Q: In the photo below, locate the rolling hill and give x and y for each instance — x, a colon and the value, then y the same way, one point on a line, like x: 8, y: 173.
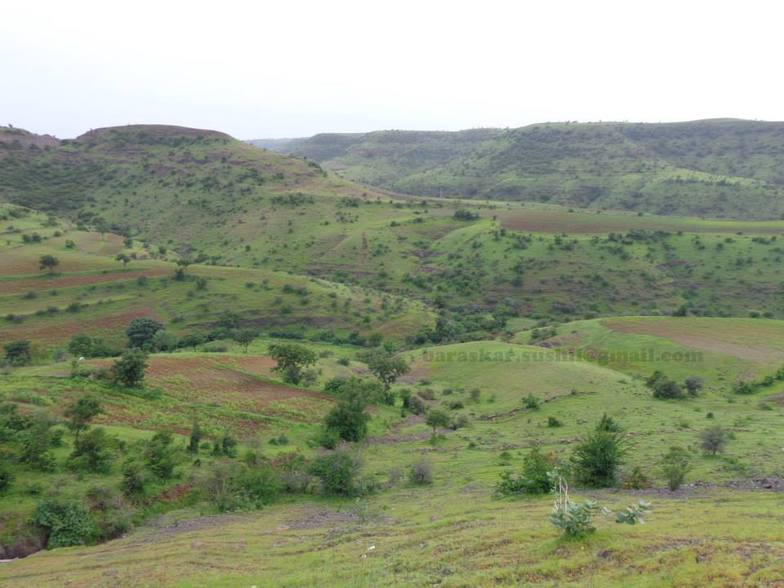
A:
x: 722, y: 168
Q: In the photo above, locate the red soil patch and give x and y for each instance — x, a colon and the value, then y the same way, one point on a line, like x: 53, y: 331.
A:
x: 235, y: 382
x: 45, y: 283
x: 77, y: 323
x: 710, y: 340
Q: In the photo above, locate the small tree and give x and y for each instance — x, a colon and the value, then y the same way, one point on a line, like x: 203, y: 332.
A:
x: 80, y: 413
x: 597, y: 459
x: 338, y: 472
x: 128, y: 370
x: 675, y: 464
x: 291, y: 359
x: 437, y: 419
x: 160, y: 455
x: 48, y: 263
x: 18, y: 352
x: 713, y: 440
x: 195, y: 439
x: 348, y: 419
x: 123, y: 258
x: 92, y: 453
x: 141, y: 331
x: 693, y: 385
x: 245, y: 337
x: 386, y: 367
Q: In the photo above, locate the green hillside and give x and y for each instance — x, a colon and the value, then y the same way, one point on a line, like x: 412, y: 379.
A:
x: 223, y: 366
x: 713, y: 168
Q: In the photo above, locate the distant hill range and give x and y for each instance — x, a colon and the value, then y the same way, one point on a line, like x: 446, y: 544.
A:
x: 713, y: 168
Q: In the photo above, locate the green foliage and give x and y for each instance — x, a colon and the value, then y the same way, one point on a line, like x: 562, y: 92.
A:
x: 338, y: 472
x: 348, y: 418
x: 597, y: 458
x: 291, y: 359
x: 531, y: 402
x: 637, y: 480
x: 141, y: 331
x: 675, y: 464
x: 82, y: 345
x: 633, y: 515
x: 664, y: 387
x: 421, y: 473
x: 245, y: 337
x: 92, y: 452
x: 160, y: 455
x: 6, y: 478
x: 66, y: 523
x: 128, y: 370
x: 195, y: 438
x: 81, y: 412
x: 714, y: 439
x: 575, y: 520
x: 18, y: 353
x: 35, y: 443
x: 385, y: 366
x: 536, y: 476
x: 48, y: 262
x: 437, y: 419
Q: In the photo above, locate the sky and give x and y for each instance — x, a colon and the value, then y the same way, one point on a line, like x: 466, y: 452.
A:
x: 287, y: 69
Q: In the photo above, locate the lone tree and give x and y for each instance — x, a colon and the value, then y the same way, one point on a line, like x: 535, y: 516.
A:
x: 80, y: 413
x: 292, y: 358
x: 386, y: 367
x: 129, y: 368
x: 713, y: 440
x: 437, y: 419
x: 18, y: 352
x: 348, y: 418
x: 48, y: 263
x: 597, y: 459
x: 245, y: 337
x: 123, y: 258
x: 141, y: 331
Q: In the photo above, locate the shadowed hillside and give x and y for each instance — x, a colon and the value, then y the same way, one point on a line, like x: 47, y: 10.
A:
x: 713, y: 168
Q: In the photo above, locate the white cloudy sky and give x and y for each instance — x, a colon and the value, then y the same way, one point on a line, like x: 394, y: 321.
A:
x: 293, y: 68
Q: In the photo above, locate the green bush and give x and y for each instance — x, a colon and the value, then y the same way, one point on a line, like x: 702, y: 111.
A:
x: 535, y: 477
x: 421, y: 473
x: 675, y: 464
x: 597, y: 459
x: 65, y: 523
x: 92, y: 452
x: 338, y: 472
x: 128, y: 370
x: 6, y: 478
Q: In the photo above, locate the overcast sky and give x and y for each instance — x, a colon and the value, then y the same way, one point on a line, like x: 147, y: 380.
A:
x: 295, y: 68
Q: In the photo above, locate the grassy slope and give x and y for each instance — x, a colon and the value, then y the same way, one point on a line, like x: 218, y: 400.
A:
x: 716, y: 168
x: 111, y: 295
x: 455, y: 532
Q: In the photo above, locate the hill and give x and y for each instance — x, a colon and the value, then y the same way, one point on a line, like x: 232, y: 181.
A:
x: 721, y: 168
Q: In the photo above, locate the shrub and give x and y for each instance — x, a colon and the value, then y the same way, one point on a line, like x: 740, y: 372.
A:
x: 663, y: 387
x: 421, y: 473
x: 536, y: 476
x: 35, y: 442
x: 531, y: 402
x: 141, y: 331
x: 6, y: 478
x: 437, y: 419
x: 598, y: 457
x: 348, y: 419
x: 160, y: 455
x: 338, y: 472
x: 133, y: 480
x: 633, y: 514
x: 65, y: 523
x: 693, y: 385
x: 92, y: 453
x: 713, y: 440
x: 607, y: 423
x: 128, y: 370
x: 81, y: 412
x: 575, y: 520
x: 291, y: 359
x: 675, y: 464
x: 553, y: 422
x: 636, y: 480
x: 18, y: 353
